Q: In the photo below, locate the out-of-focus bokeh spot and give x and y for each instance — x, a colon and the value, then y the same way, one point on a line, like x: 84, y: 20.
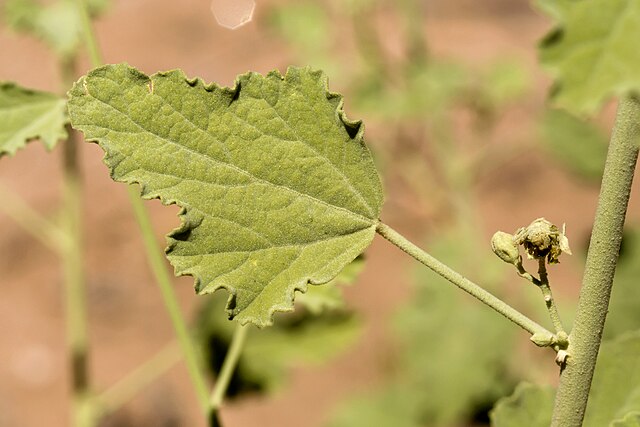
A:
x: 232, y: 13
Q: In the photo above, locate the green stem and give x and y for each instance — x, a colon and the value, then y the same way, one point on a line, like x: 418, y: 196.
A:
x: 157, y: 263
x: 41, y: 229
x: 548, y: 296
x: 128, y: 387
x: 154, y: 255
x: 463, y: 283
x: 75, y: 292
x: 584, y: 341
x: 228, y: 366
x: 90, y: 40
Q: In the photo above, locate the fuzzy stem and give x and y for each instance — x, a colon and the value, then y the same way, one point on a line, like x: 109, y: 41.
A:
x: 463, y: 283
x: 548, y: 296
x: 604, y: 247
x: 228, y: 366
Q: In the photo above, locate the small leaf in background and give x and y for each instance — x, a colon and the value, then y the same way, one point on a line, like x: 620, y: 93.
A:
x: 300, y: 338
x: 28, y: 114
x: 329, y: 296
x: 590, y: 54
x: 277, y: 187
x: 579, y: 146
x: 615, y: 391
x: 57, y: 23
x: 530, y: 405
x: 616, y: 382
x: 624, y: 306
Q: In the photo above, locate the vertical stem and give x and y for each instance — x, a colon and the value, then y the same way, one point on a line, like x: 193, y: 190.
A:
x: 75, y: 292
x: 154, y: 255
x: 90, y: 40
x: 548, y: 296
x: 228, y: 366
x: 584, y: 341
x: 159, y: 269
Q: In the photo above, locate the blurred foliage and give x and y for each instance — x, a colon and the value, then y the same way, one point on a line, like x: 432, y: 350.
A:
x: 624, y: 306
x: 576, y: 144
x: 529, y: 405
x: 309, y: 336
x: 328, y: 296
x: 57, y: 23
x: 614, y: 399
x: 438, y: 380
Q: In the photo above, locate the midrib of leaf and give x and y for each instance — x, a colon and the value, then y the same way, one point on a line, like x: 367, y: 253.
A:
x: 368, y: 221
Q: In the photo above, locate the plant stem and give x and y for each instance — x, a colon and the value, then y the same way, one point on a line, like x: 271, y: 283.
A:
x: 129, y: 386
x: 90, y: 40
x: 460, y: 281
x: 154, y: 255
x: 46, y: 232
x: 604, y: 247
x: 157, y: 264
x: 548, y: 296
x: 228, y: 366
x: 75, y: 292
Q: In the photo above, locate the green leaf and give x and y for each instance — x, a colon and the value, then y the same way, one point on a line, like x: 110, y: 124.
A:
x: 530, y: 405
x: 592, y: 53
x: 580, y: 146
x: 329, y: 296
x: 28, y: 114
x: 616, y: 382
x: 624, y: 307
x: 615, y: 391
x: 277, y: 187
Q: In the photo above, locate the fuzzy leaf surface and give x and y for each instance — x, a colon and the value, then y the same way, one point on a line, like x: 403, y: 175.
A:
x: 28, y: 114
x: 592, y: 52
x: 277, y: 187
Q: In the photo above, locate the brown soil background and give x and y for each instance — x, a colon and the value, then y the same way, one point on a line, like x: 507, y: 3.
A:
x: 127, y: 320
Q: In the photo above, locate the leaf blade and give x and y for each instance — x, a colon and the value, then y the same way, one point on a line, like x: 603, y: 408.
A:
x: 29, y: 114
x: 590, y: 53
x: 292, y: 195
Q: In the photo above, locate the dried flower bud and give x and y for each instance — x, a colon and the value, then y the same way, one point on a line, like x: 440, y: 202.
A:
x: 504, y: 246
x: 542, y: 239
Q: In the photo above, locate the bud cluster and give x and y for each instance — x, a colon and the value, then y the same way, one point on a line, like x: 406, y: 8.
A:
x: 540, y: 239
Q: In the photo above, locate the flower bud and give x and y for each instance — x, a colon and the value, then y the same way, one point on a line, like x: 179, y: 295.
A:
x: 504, y: 246
x: 542, y: 339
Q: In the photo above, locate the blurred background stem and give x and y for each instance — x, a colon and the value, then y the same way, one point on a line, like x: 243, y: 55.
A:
x: 155, y: 256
